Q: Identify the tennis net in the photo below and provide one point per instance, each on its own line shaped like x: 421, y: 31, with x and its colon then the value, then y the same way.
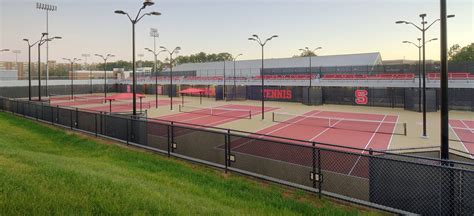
x: 372, y: 126
x: 217, y: 111
x: 88, y: 99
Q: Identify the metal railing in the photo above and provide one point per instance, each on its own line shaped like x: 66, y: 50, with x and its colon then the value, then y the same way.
x: 388, y: 181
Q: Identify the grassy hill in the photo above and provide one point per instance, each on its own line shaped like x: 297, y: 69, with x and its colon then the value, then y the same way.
x: 45, y: 170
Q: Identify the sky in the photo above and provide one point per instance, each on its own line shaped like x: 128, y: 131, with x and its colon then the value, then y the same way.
x: 212, y: 26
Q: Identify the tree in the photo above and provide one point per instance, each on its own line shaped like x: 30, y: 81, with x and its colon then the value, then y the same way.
x: 306, y: 53
x: 464, y: 54
x: 202, y: 57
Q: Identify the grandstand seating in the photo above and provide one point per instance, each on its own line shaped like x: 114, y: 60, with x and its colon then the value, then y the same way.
x: 389, y: 76
x: 286, y: 77
x: 451, y: 76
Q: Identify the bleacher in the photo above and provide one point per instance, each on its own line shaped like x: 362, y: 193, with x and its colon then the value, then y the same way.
x: 385, y: 76
x: 451, y: 76
x: 286, y: 77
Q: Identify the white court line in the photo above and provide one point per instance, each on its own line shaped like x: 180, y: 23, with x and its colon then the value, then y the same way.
x: 393, y: 131
x: 368, y: 143
x: 462, y: 143
x: 321, y: 133
x: 467, y: 126
x: 287, y: 125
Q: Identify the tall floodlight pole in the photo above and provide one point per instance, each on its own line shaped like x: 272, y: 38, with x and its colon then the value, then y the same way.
x: 423, y: 30
x: 419, y: 46
x: 47, y: 8
x: 105, y: 58
x: 16, y: 52
x: 41, y: 42
x: 175, y: 51
x: 234, y: 59
x: 85, y: 56
x: 29, y: 66
x: 310, y: 52
x: 72, y: 61
x: 444, y: 82
x: 262, y: 44
x: 155, y: 69
x: 135, y: 21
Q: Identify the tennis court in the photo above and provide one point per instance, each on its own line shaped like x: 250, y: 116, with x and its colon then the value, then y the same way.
x: 354, y: 130
x: 78, y: 100
x: 212, y: 116
x: 464, y: 133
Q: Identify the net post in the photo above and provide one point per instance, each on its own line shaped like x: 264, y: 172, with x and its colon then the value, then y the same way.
x: 405, y: 128
x: 250, y: 114
x: 273, y: 116
x: 179, y: 108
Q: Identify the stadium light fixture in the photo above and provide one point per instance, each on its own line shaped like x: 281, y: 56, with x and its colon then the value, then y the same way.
x: 72, y: 61
x: 309, y: 51
x: 4, y: 50
x: 262, y: 44
x: 423, y: 28
x: 105, y: 58
x: 146, y: 3
x: 234, y: 60
x: 155, y: 54
x: 175, y: 51
x: 47, y: 8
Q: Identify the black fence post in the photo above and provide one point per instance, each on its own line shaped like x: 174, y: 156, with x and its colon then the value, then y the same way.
x: 313, y: 172
x: 52, y: 115
x: 70, y: 119
x: 320, y: 182
x: 127, y: 132
x: 77, y: 118
x: 172, y: 137
x: 168, y: 132
x: 226, y: 150
x: 95, y: 123
x: 57, y: 113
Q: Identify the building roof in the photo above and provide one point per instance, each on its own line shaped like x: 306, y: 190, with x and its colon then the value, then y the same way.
x: 295, y: 62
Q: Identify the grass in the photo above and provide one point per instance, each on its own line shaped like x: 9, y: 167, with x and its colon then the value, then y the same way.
x: 49, y: 171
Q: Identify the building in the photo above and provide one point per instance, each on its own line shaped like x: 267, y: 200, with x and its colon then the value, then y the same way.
x: 295, y: 65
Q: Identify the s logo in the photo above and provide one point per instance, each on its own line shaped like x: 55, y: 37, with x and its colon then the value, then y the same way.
x: 361, y: 97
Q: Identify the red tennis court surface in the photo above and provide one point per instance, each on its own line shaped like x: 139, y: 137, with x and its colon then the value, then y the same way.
x: 222, y: 114
x: 125, y: 106
x: 354, y: 130
x: 464, y: 130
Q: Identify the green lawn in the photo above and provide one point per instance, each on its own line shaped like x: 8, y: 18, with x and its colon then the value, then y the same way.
x: 46, y: 170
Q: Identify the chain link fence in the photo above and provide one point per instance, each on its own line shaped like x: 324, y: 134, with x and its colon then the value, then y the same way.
x: 392, y: 182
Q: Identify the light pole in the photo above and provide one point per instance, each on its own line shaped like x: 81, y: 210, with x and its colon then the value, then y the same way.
x: 262, y: 44
x: 47, y: 8
x: 85, y: 55
x: 135, y: 21
x: 41, y: 42
x: 310, y: 52
x: 155, y: 54
x: 105, y: 71
x: 234, y: 60
x: 423, y: 30
x: 16, y: 57
x: 444, y: 81
x: 419, y: 46
x: 72, y: 61
x: 29, y: 66
x: 175, y: 51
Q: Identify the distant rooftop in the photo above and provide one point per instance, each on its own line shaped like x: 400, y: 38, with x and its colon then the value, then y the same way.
x: 295, y: 62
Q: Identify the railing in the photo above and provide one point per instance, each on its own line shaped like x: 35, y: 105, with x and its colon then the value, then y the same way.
x: 388, y: 181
